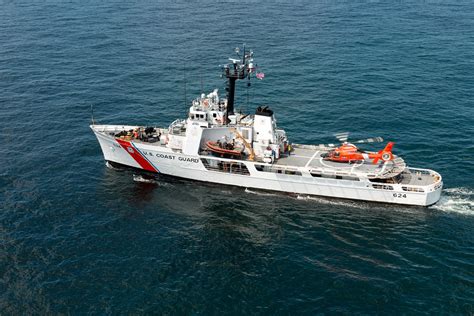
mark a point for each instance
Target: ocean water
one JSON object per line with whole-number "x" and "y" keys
{"x": 78, "y": 237}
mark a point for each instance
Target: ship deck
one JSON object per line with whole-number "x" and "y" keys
{"x": 311, "y": 158}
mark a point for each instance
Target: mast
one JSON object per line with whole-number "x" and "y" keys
{"x": 237, "y": 69}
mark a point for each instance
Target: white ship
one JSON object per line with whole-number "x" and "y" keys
{"x": 214, "y": 144}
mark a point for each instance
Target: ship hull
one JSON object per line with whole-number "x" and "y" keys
{"x": 161, "y": 159}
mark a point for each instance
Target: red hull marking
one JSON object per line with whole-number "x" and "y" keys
{"x": 136, "y": 155}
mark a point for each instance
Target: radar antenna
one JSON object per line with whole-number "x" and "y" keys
{"x": 237, "y": 69}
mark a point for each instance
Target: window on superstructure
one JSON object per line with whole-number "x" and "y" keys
{"x": 382, "y": 187}
{"x": 225, "y": 166}
{"x": 265, "y": 168}
{"x": 331, "y": 176}
{"x": 412, "y": 189}
{"x": 293, "y": 172}
{"x": 322, "y": 175}
{"x": 350, "y": 178}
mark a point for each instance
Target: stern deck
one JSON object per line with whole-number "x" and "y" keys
{"x": 312, "y": 158}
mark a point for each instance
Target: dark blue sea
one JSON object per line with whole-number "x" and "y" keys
{"x": 77, "y": 237}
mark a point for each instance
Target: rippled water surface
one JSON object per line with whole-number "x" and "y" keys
{"x": 77, "y": 236}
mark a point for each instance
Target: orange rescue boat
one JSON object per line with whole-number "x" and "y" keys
{"x": 216, "y": 148}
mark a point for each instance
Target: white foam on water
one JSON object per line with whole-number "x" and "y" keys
{"x": 456, "y": 200}
{"x": 323, "y": 200}
{"x": 140, "y": 178}
{"x": 462, "y": 191}
{"x": 260, "y": 193}
{"x": 109, "y": 165}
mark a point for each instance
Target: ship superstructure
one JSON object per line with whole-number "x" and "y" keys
{"x": 219, "y": 145}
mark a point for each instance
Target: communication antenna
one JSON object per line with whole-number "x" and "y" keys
{"x": 237, "y": 69}
{"x": 248, "y": 97}
{"x": 184, "y": 78}
{"x": 92, "y": 115}
{"x": 200, "y": 79}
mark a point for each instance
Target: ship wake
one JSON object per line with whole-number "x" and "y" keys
{"x": 260, "y": 192}
{"x": 144, "y": 179}
{"x": 456, "y": 200}
{"x": 323, "y": 200}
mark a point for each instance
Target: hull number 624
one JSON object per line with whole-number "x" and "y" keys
{"x": 399, "y": 195}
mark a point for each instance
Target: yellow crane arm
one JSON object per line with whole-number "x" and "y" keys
{"x": 246, "y": 143}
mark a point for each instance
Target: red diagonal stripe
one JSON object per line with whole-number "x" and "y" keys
{"x": 136, "y": 155}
